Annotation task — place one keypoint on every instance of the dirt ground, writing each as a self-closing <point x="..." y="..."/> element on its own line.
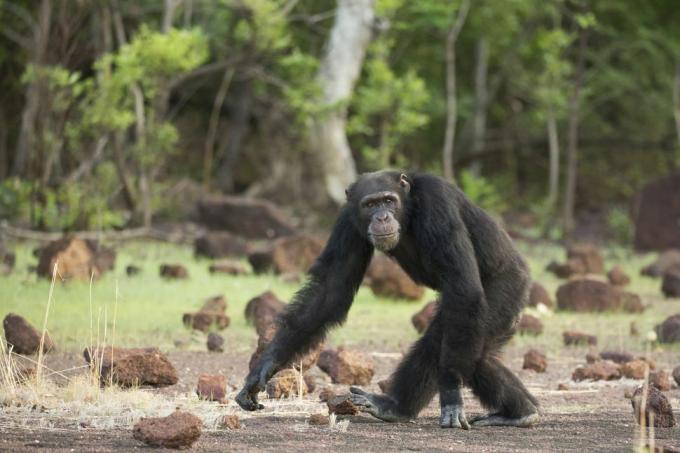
<point x="586" y="417"/>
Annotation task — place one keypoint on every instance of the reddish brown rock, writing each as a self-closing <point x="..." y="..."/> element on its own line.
<point x="422" y="319"/>
<point x="133" y="270"/>
<point x="228" y="267"/>
<point x="529" y="325"/>
<point x="210" y="316"/>
<point x="294" y="254"/>
<point x="230" y="422"/>
<point x="604" y="370"/>
<point x="631" y="302"/>
<point x="387" y="279"/>
<point x="591" y="357"/>
<point x="263" y="310"/>
<point x="23" y="337"/>
<point x="616" y="356"/>
<point x="326" y="394"/>
<point x="670" y="287"/>
<point x="635" y="369"/>
<point x="588" y="255"/>
<point x="539" y="295"/>
<point x="173" y="271"/>
<point x="220" y="244"/>
<point x="656" y="407"/>
<point x="215" y="342"/>
<point x="248" y="217"/>
<point x="318" y="420"/>
<point x="618" y="277"/>
<point x="562" y="387"/>
<point x="177" y="430"/>
<point x="286" y="383"/>
<point x="676" y="374"/>
<point x="535" y="360"/>
<point x="341" y="405"/>
<point x="590" y="295"/>
<point x="306" y="361"/>
<point x="660" y="379"/>
<point x="212" y="387"/>
<point x="347" y="366"/>
<point x="77" y="259"/>
<point x="669" y="330"/>
<point x="567" y="269"/>
<point x="657" y="214"/>
<point x="667" y="261"/>
<point x="572" y="338"/>
<point x="315" y="378"/>
<point x="133" y="366"/>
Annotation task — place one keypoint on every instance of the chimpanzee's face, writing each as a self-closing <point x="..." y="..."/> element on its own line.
<point x="380" y="201"/>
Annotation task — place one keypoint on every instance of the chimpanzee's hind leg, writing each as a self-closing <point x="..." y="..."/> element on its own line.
<point x="413" y="384"/>
<point x="501" y="391"/>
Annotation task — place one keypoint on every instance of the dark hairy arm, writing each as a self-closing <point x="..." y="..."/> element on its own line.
<point x="320" y="304"/>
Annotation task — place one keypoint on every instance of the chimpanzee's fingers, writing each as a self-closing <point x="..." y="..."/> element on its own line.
<point x="357" y="391"/>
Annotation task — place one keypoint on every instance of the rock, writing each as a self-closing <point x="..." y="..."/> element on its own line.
<point x="347" y="366"/>
<point x="286" y="383"/>
<point x="326" y="394"/>
<point x="566" y="270"/>
<point x="248" y="217"/>
<point x="658" y="214"/>
<point x="318" y="420"/>
<point x="220" y="244"/>
<point x="306" y="361"/>
<point x="422" y="319"/>
<point x="578" y="338"/>
<point x="676" y="374"/>
<point x="228" y="267"/>
<point x="132" y="366"/>
<point x="385" y="385"/>
<point x="618" y="277"/>
<point x="631" y="302"/>
<point x="263" y="310"/>
<point x="604" y="370"/>
<point x="230" y="422"/>
<point x="590" y="295"/>
<point x="293" y="254"/>
<point x="591" y="357"/>
<point x="341" y="405"/>
<point x="212" y="387"/>
<point x="669" y="330"/>
<point x="315" y="378"/>
<point x="588" y="255"/>
<point x="387" y="279"/>
<point x="667" y="261"/>
<point x="562" y="387"/>
<point x="215" y="342"/>
<point x="656" y="406"/>
<point x="530" y="325"/>
<point x="616" y="356"/>
<point x="211" y="315"/>
<point x="535" y="360"/>
<point x="23" y="337"/>
<point x="77" y="259"/>
<point x="671" y="283"/>
<point x="132" y="270"/>
<point x="635" y="369"/>
<point x="7" y="260"/>
<point x="177" y="430"/>
<point x="173" y="271"/>
<point x="539" y="295"/>
<point x="660" y="379"/>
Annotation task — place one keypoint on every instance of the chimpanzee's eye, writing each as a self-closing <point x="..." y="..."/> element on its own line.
<point x="370" y="204"/>
<point x="389" y="201"/>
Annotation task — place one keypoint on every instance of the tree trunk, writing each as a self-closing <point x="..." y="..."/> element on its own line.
<point x="451" y="100"/>
<point x="27" y="133"/>
<point x="208" y="152"/>
<point x="238" y="127"/>
<point x="572" y="138"/>
<point x="338" y="72"/>
<point x="169" y="7"/>
<point x="481" y="102"/>
<point x="554" y="149"/>
<point x="676" y="100"/>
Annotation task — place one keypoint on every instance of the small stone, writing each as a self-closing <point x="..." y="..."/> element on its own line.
<point x="529" y="325"/>
<point x="539" y="295"/>
<point x="228" y="268"/>
<point x="230" y="422"/>
<point x="635" y="369"/>
<point x="326" y="394"/>
<point x="562" y="387"/>
<point x="132" y="270"/>
<point x="342" y="405"/>
<point x="286" y="383"/>
<point x="315" y="378"/>
<point x="215" y="342"/>
<point x="318" y="420"/>
<point x="347" y="366"/>
<point x="177" y="430"/>
<point x="603" y="370"/>
<point x="618" y="277"/>
<point x="173" y="271"/>
<point x="23" y="337"/>
<point x="212" y="387"/>
<point x="656" y="406"/>
<point x="578" y="338"/>
<point x="535" y="360"/>
<point x="660" y="379"/>
<point x="616" y="356"/>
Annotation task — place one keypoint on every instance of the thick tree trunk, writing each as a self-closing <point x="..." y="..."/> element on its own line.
<point x="572" y="138"/>
<point x="481" y="103"/>
<point x="340" y="67"/>
<point x="451" y="99"/>
<point x="26" y="141"/>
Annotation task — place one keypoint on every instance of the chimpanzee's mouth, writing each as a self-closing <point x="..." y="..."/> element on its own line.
<point x="385" y="242"/>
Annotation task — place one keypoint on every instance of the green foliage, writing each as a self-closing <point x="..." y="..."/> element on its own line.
<point x="621" y="225"/>
<point x="482" y="192"/>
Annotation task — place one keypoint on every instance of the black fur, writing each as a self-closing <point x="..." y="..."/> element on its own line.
<point x="448" y="244"/>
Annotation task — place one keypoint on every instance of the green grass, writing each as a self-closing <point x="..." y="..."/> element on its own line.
<point x="149" y="308"/>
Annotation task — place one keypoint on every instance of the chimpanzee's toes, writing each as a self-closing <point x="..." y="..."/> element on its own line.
<point x="526" y="421"/>
<point x="453" y="416"/>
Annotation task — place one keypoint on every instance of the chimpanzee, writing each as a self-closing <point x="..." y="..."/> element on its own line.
<point x="442" y="240"/>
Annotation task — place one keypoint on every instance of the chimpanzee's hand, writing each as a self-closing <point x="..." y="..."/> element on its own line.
<point x="255" y="383"/>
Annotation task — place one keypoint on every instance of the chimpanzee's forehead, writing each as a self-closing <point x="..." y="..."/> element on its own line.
<point x="379" y="181"/>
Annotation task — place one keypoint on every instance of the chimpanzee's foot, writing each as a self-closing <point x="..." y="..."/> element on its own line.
<point x="499" y="420"/>
<point x="379" y="406"/>
<point x="453" y="416"/>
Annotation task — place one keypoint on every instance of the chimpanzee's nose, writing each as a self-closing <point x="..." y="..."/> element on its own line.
<point x="382" y="216"/>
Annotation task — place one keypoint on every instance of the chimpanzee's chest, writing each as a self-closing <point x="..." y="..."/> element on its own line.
<point x="414" y="264"/>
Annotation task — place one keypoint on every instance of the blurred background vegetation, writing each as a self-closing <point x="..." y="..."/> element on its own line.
<point x="117" y="113"/>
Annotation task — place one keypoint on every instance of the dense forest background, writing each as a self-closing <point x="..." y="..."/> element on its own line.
<point x="118" y="113"/>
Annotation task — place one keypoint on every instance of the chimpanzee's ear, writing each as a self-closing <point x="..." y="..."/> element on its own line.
<point x="404" y="182"/>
